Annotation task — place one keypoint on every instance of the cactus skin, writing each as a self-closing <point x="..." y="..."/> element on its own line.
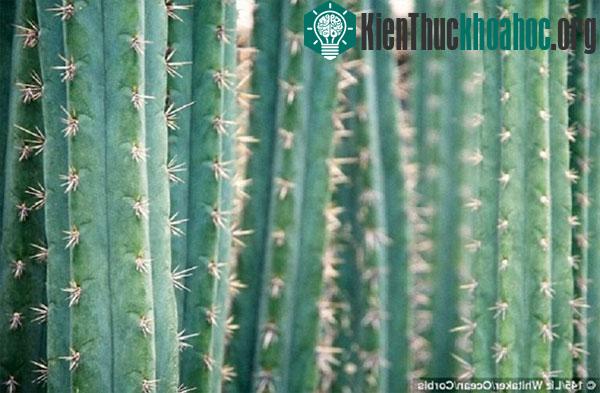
<point x="282" y="242"/>
<point x="537" y="214"/>
<point x="262" y="126"/>
<point x="7" y="19"/>
<point x="132" y="310"/>
<point x="560" y="189"/>
<point x="179" y="95"/>
<point x="90" y="318"/>
<point x="485" y="267"/>
<point x="104" y="261"/>
<point x="23" y="342"/>
<point x="211" y="194"/>
<point x="448" y="252"/>
<point x="298" y="368"/>
<point x="387" y="178"/>
<point x="511" y="321"/>
<point x="470" y="122"/>
<point x="227" y="157"/>
<point x="165" y="310"/>
<point x="56" y="162"/>
<point x="579" y="115"/>
<point x="349" y="240"/>
<point x="594" y="184"/>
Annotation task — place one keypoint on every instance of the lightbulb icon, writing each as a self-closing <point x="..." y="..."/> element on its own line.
<point x="329" y="27"/>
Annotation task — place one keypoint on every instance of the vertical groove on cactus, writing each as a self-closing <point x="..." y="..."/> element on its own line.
<point x="594" y="223"/>
<point x="263" y="127"/>
<point x="54" y="102"/>
<point x="165" y="310"/>
<point x="22" y="266"/>
<point x="485" y="266"/>
<point x="579" y="115"/>
<point x="7" y="30"/>
<point x="539" y="287"/>
<point x="560" y="189"/>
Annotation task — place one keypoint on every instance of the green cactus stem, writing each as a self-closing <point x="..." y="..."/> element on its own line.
<point x="165" y="310"/>
<point x="509" y="309"/>
<point x="485" y="265"/>
<point x="108" y="196"/>
<point x="537" y="260"/>
<point x="447" y="239"/>
<point x="561" y="179"/>
<point x="579" y="117"/>
<point x="7" y="19"/>
<point x="178" y="57"/>
<point x="285" y="202"/>
<point x="56" y="162"/>
<point x="212" y="165"/>
<point x="594" y="184"/>
<point x="23" y="253"/>
<point x="262" y="127"/>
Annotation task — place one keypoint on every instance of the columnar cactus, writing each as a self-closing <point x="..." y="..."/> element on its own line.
<point x="108" y="197"/>
<point x="593" y="341"/>
<point x="266" y="39"/>
<point x="124" y="166"/>
<point x="579" y="134"/>
<point x="23" y="256"/>
<point x="212" y="166"/>
<point x="485" y="264"/>
<point x="56" y="161"/>
<point x="165" y="310"/>
<point x="561" y="179"/>
<point x="7" y="28"/>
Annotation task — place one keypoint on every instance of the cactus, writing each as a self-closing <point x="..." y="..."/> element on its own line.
<point x="7" y="18"/>
<point x="594" y="182"/>
<point x="485" y="266"/>
<point x="560" y="188"/>
<point x="22" y="271"/>
<point x="263" y="128"/>
<point x="579" y="117"/>
<point x="210" y="195"/>
<point x="54" y="102"/>
<point x="132" y="163"/>
<point x="165" y="311"/>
